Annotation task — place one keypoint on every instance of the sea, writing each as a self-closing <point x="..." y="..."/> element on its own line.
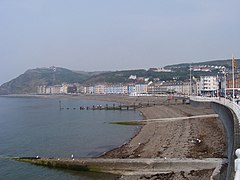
<point x="33" y="126"/>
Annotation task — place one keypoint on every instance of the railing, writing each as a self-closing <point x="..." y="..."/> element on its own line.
<point x="237" y="165"/>
<point x="232" y="105"/>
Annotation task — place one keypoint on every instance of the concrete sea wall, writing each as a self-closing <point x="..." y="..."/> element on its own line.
<point x="231" y="126"/>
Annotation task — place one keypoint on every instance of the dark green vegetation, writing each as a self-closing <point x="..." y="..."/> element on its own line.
<point x="28" y="82"/>
<point x="62" y="164"/>
<point x="116" y="76"/>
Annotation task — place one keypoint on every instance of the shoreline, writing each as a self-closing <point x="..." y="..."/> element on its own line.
<point x="173" y="139"/>
<point x="196" y="138"/>
<point x="165" y="109"/>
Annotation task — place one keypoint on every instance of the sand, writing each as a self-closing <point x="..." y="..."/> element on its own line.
<point x="173" y="139"/>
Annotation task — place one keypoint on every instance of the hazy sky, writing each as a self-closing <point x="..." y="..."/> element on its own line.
<point x="115" y="34"/>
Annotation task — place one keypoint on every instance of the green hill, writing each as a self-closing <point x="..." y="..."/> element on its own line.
<point x="227" y="63"/>
<point x="116" y="76"/>
<point x="28" y="82"/>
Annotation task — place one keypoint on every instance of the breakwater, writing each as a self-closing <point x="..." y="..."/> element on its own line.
<point x="132" y="106"/>
<point x="131" y="166"/>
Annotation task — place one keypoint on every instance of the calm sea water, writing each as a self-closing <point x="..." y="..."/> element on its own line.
<point x="36" y="127"/>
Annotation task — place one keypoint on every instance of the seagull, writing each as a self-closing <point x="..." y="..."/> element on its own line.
<point x="198" y="140"/>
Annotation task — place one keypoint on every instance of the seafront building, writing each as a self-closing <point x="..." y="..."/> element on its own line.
<point x="57" y="89"/>
<point x="205" y="85"/>
<point x="208" y="86"/>
<point x="141" y="88"/>
<point x="99" y="89"/>
<point x="116" y="89"/>
<point x="88" y="90"/>
<point x="156" y="88"/>
<point x="178" y="87"/>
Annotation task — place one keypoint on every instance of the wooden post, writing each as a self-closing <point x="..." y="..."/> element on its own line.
<point x="60" y="105"/>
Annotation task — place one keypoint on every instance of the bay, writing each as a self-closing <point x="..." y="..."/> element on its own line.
<point x="31" y="126"/>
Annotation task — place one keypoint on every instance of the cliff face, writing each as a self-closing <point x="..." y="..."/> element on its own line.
<point x="28" y="82"/>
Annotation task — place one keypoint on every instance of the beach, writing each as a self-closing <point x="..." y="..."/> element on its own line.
<point x="171" y="134"/>
<point x="195" y="138"/>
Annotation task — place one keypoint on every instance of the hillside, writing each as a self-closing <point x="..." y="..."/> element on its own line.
<point x="180" y="72"/>
<point x="226" y="63"/>
<point x="28" y="81"/>
<point x="116" y="76"/>
<point x="123" y="76"/>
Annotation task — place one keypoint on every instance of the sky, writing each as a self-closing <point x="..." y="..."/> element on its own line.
<point x="100" y="35"/>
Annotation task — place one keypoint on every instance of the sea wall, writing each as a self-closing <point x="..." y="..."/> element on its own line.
<point x="231" y="126"/>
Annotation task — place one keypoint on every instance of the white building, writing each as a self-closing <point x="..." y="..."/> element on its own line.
<point x="208" y="85"/>
<point x="88" y="89"/>
<point x="133" y="77"/>
<point x="116" y="89"/>
<point x="64" y="89"/>
<point x="41" y="89"/>
<point x="52" y="89"/>
<point x="131" y="89"/>
<point x="49" y="89"/>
